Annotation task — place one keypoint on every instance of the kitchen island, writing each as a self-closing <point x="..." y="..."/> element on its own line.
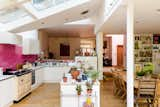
<point x="69" y="97"/>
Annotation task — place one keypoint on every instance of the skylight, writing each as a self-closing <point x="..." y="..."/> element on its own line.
<point x="12" y="14"/>
<point x="15" y="13"/>
<point x="42" y="4"/>
<point x="45" y="4"/>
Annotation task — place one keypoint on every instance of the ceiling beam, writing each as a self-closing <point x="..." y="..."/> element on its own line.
<point x="29" y="12"/>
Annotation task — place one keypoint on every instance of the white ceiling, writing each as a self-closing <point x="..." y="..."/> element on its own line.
<point x="147" y="19"/>
<point x="71" y="30"/>
<point x="68" y="15"/>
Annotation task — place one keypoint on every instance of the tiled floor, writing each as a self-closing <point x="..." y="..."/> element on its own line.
<point x="47" y="95"/>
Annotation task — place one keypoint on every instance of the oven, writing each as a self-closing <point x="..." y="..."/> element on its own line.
<point x="33" y="77"/>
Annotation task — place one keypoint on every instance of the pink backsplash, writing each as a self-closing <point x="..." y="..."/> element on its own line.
<point x="10" y="55"/>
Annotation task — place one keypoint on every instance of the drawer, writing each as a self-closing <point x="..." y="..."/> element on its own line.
<point x="24" y="79"/>
<point x="27" y="87"/>
<point x="21" y="90"/>
<point x="21" y="80"/>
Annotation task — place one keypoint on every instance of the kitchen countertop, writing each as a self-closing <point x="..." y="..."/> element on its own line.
<point x="39" y="67"/>
<point x="5" y="77"/>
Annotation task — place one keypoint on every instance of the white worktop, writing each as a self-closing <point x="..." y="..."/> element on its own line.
<point x="4" y="77"/>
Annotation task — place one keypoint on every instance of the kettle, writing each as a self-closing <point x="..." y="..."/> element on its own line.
<point x="1" y="71"/>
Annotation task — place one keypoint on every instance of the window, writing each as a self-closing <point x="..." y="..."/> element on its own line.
<point x="12" y="14"/>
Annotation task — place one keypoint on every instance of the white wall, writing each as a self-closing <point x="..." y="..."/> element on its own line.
<point x="116" y="40"/>
<point x="10" y="38"/>
<point x="33" y="34"/>
<point x="104" y="12"/>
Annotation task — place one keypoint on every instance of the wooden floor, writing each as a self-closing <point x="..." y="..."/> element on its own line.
<point x="47" y="95"/>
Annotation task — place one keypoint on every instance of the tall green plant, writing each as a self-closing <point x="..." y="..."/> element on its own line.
<point x="93" y="74"/>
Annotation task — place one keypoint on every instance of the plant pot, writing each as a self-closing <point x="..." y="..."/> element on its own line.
<point x="147" y="77"/>
<point x="79" y="80"/>
<point x="89" y="91"/>
<point x="64" y="79"/>
<point x="94" y="81"/>
<point x="75" y="74"/>
<point x="78" y="93"/>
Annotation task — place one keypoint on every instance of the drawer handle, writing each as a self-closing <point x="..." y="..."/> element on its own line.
<point x="21" y="80"/>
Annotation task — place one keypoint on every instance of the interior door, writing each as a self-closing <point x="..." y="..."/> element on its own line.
<point x="120" y="55"/>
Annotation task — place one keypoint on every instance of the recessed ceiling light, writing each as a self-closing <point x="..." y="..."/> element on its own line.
<point x="42" y="23"/>
<point x="66" y="19"/>
<point x="158" y="10"/>
<point x="110" y="4"/>
<point x="137" y="21"/>
<point x="84" y="12"/>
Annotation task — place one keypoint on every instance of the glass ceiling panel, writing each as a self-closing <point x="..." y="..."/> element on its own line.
<point x="12" y="14"/>
<point x="40" y="5"/>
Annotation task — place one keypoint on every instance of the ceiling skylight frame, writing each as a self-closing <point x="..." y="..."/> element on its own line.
<point x="12" y="14"/>
<point x="33" y="14"/>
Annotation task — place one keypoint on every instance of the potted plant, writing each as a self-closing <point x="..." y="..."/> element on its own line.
<point x="94" y="75"/>
<point x="140" y="73"/>
<point x="148" y="69"/>
<point x="89" y="86"/>
<point x="79" y="89"/>
<point x="75" y="73"/>
<point x="64" y="78"/>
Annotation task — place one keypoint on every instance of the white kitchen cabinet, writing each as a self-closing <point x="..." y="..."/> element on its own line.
<point x="88" y="61"/>
<point x="30" y="46"/>
<point x="7" y="90"/>
<point x="9" y="38"/>
<point x="39" y="76"/>
<point x="54" y="74"/>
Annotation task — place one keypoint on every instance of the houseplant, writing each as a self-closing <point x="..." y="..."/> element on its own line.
<point x="79" y="89"/>
<point x="64" y="78"/>
<point x="148" y="69"/>
<point x="89" y="86"/>
<point x="94" y="75"/>
<point x="74" y="72"/>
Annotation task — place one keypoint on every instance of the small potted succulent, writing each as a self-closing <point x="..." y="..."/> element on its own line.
<point x="79" y="89"/>
<point x="89" y="86"/>
<point x="64" y="78"/>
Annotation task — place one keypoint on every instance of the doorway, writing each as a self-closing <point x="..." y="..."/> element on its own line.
<point x="120" y="55"/>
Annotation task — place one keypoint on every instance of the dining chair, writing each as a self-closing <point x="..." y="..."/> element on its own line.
<point x="157" y="94"/>
<point x="116" y="85"/>
<point x="146" y="92"/>
<point x="123" y="88"/>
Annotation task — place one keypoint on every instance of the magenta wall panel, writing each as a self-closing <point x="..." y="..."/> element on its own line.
<point x="10" y="55"/>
